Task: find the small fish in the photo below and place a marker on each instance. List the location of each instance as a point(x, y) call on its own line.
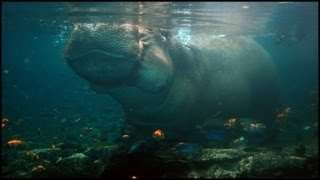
point(59, 159)
point(39, 167)
point(158, 135)
point(126, 136)
point(87, 129)
point(255, 128)
point(4, 122)
point(187, 148)
point(230, 122)
point(217, 135)
point(135, 148)
point(241, 138)
point(306, 128)
point(282, 116)
point(77, 120)
point(15, 143)
point(32, 155)
point(147, 145)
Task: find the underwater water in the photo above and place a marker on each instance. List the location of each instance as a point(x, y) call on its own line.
point(60, 118)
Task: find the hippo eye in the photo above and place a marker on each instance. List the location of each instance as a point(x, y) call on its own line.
point(165, 33)
point(163, 38)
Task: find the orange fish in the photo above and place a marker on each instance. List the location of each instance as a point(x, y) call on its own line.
point(15, 143)
point(158, 135)
point(39, 167)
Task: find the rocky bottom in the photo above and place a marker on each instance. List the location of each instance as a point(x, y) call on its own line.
point(163, 162)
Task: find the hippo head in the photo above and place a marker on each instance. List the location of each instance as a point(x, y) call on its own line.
point(112, 56)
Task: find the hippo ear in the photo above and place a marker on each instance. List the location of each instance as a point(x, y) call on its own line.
point(166, 33)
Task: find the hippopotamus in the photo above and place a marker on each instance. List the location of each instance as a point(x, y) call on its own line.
point(164, 83)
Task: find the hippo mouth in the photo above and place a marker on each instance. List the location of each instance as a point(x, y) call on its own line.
point(105, 68)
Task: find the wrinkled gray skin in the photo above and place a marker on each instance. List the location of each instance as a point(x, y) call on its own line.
point(163, 84)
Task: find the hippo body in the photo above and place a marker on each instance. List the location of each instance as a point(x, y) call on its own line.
point(165, 84)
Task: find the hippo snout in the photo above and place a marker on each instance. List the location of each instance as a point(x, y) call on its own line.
point(103, 53)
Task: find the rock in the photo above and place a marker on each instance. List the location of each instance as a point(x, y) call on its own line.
point(79, 165)
point(69, 148)
point(220, 155)
point(45, 153)
point(21, 174)
point(300, 151)
point(214, 171)
point(111, 161)
point(270, 165)
point(234, 163)
point(98, 152)
point(55, 163)
point(16, 169)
